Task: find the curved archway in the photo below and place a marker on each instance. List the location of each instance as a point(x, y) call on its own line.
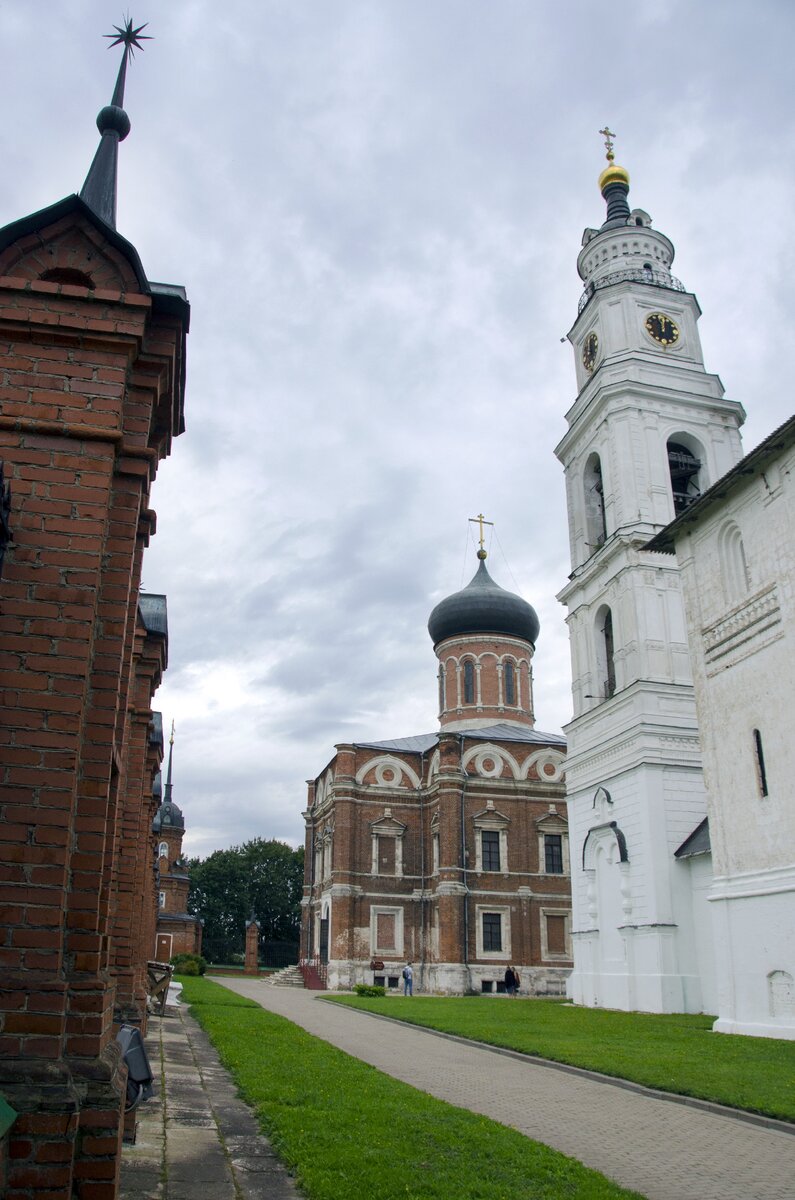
point(594, 500)
point(685, 469)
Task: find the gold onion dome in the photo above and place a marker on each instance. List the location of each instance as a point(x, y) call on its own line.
point(613, 174)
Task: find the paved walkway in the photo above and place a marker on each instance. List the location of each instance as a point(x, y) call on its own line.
point(196, 1139)
point(665, 1150)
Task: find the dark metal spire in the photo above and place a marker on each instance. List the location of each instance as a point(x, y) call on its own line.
point(99, 189)
point(167, 793)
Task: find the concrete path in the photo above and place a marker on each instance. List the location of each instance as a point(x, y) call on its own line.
point(196, 1139)
point(665, 1150)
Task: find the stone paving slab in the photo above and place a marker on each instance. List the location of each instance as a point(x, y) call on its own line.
point(660, 1148)
point(196, 1138)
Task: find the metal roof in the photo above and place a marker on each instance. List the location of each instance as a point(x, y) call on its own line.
point(152, 608)
point(698, 842)
point(423, 742)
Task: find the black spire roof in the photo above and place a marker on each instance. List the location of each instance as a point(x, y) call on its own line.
point(483, 607)
point(169, 815)
point(99, 189)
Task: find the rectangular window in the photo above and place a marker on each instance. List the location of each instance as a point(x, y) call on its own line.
point(385, 931)
point(162, 899)
point(553, 853)
point(492, 931)
point(556, 935)
point(490, 845)
point(386, 856)
point(761, 774)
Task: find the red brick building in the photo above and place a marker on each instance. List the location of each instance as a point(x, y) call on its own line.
point(449, 850)
point(178, 931)
point(92, 364)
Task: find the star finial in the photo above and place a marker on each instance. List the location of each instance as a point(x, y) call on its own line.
point(608, 136)
point(129, 37)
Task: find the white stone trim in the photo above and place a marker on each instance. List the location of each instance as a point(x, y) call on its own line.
point(381, 764)
point(395, 951)
point(504, 912)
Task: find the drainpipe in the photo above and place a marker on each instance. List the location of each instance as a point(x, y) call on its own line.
point(421, 984)
point(465, 896)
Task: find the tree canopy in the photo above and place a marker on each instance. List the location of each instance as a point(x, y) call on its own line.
point(264, 877)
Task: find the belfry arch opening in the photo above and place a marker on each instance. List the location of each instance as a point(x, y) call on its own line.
point(595, 522)
point(605, 653)
point(685, 467)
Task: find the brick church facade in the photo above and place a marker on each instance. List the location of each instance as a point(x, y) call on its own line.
point(92, 361)
point(448, 850)
point(177, 931)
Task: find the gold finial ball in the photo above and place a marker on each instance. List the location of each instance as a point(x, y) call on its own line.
point(482, 553)
point(613, 174)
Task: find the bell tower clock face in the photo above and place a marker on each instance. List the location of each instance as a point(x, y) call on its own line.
point(589, 351)
point(662, 328)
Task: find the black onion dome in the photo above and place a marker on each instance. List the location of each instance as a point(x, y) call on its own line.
point(483, 607)
point(168, 816)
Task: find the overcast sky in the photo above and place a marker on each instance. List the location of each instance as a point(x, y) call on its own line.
point(376, 207)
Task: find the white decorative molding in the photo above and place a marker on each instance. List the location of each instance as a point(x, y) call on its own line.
point(389, 772)
point(743, 631)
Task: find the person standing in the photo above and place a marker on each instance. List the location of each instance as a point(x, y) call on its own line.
point(510, 980)
point(408, 980)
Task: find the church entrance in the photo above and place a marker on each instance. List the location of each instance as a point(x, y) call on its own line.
point(323, 949)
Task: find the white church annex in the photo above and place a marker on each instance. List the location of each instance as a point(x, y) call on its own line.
point(648, 432)
point(737, 559)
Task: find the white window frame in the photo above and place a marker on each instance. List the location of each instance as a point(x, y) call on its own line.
point(162, 901)
point(395, 951)
point(504, 912)
point(492, 825)
point(162, 850)
point(564, 850)
point(556, 955)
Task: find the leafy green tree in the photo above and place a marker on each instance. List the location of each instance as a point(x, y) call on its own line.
point(263, 876)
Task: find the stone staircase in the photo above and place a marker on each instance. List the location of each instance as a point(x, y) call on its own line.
point(287, 977)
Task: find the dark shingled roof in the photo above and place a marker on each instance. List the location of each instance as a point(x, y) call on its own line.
point(483, 607)
point(156, 735)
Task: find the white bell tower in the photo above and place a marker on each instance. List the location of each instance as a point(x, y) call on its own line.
point(648, 432)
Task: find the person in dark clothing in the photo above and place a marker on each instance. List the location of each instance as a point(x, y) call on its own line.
point(511, 981)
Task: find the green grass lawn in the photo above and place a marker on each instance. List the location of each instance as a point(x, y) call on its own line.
point(348, 1132)
point(674, 1052)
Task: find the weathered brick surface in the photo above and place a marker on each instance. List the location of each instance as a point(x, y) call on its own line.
point(89, 401)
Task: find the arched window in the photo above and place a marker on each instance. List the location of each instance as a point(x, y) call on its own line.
point(441, 689)
point(595, 524)
point(162, 850)
point(605, 656)
point(510, 683)
point(684, 467)
point(469, 682)
point(734, 569)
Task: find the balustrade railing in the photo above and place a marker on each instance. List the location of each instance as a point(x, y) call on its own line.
point(660, 279)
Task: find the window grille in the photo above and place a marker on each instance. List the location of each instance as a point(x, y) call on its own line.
point(553, 853)
point(490, 846)
point(492, 932)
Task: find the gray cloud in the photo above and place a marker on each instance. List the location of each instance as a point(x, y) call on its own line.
point(376, 208)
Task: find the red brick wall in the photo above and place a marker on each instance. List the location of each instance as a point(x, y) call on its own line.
point(86, 411)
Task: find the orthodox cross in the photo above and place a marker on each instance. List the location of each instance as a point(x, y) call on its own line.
point(608, 136)
point(481, 520)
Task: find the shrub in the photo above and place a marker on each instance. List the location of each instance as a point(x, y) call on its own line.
point(189, 964)
point(369, 989)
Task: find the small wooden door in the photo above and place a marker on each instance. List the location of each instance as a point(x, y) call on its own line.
point(163, 948)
